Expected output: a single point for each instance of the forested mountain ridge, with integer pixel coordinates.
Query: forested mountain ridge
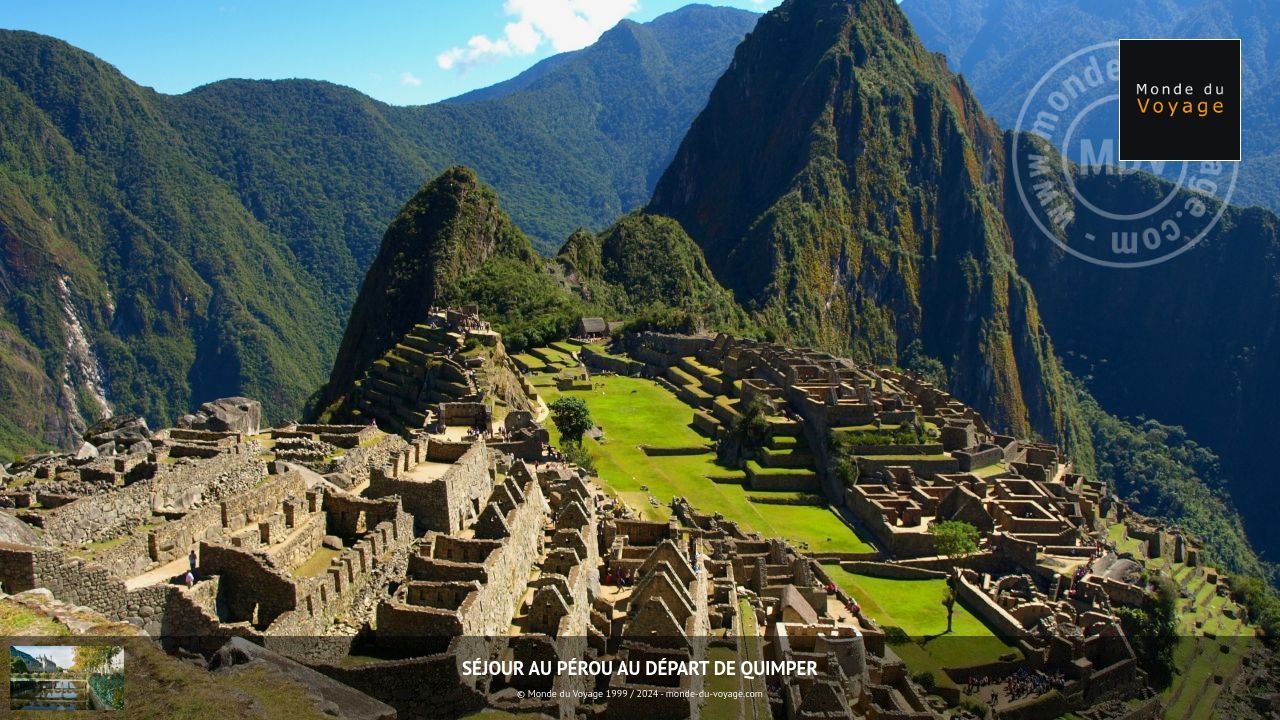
(161, 250)
(131, 275)
(1193, 340)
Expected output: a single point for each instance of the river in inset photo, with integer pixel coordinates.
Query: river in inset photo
(66, 677)
(49, 695)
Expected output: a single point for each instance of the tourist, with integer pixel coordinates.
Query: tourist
(189, 579)
(191, 558)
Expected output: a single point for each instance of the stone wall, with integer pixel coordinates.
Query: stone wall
(227, 473)
(352, 578)
(423, 688)
(213, 520)
(979, 458)
(609, 363)
(109, 515)
(100, 517)
(359, 461)
(300, 544)
(249, 589)
(443, 504)
(892, 571)
(488, 608)
(895, 543)
(127, 559)
(447, 452)
(981, 605)
(164, 611)
(172, 539)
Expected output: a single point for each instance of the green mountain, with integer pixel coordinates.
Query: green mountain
(453, 244)
(327, 166)
(131, 275)
(160, 251)
(854, 210)
(643, 262)
(452, 226)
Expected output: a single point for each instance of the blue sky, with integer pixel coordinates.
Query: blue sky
(62, 655)
(402, 52)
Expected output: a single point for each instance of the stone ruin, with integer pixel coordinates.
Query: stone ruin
(453, 538)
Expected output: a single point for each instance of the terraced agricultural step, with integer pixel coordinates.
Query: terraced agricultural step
(393, 375)
(680, 377)
(528, 363)
(785, 442)
(412, 354)
(385, 387)
(784, 426)
(726, 414)
(785, 459)
(761, 478)
(705, 423)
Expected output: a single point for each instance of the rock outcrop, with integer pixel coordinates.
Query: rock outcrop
(232, 414)
(332, 697)
(116, 435)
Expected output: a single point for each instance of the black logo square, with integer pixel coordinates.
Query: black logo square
(1179, 100)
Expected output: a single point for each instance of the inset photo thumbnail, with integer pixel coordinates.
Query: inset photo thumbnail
(66, 677)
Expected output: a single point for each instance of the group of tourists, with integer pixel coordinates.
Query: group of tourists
(621, 578)
(1019, 684)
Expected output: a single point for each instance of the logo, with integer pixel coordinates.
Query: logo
(1067, 171)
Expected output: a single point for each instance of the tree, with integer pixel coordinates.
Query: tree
(955, 540)
(93, 658)
(949, 601)
(578, 455)
(572, 418)
(1152, 631)
(747, 432)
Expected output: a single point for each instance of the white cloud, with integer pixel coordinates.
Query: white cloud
(564, 24)
(408, 78)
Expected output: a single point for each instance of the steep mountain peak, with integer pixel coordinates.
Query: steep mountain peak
(451, 226)
(854, 211)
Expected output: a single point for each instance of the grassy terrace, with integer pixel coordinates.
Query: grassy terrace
(916, 607)
(991, 470)
(635, 412)
(17, 620)
(1211, 644)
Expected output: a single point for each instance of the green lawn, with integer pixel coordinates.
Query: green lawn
(916, 607)
(633, 412)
